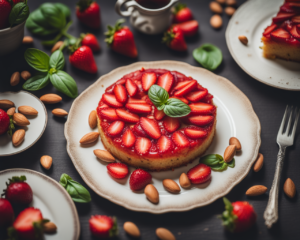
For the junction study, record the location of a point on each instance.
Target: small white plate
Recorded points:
(33, 131)
(235, 117)
(53, 201)
(250, 20)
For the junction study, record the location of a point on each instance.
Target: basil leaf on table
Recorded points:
(66, 11)
(38, 29)
(53, 15)
(57, 60)
(232, 163)
(19, 13)
(158, 95)
(37, 82)
(209, 56)
(176, 108)
(37, 59)
(64, 83)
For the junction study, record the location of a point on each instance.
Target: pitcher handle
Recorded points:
(128, 4)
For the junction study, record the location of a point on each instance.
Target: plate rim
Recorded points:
(42, 132)
(61, 189)
(153, 211)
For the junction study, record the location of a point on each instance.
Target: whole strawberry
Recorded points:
(182, 13)
(6, 213)
(139, 179)
(83, 59)
(103, 226)
(4, 122)
(5, 8)
(88, 12)
(18, 191)
(238, 216)
(174, 39)
(91, 41)
(120, 39)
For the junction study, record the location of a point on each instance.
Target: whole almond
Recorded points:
(27, 110)
(11, 111)
(164, 234)
(15, 79)
(25, 75)
(229, 153)
(231, 2)
(58, 112)
(216, 21)
(256, 190)
(221, 1)
(243, 39)
(171, 186)
(46, 161)
(184, 181)
(50, 98)
(18, 137)
(236, 142)
(104, 155)
(20, 120)
(131, 229)
(5, 104)
(27, 40)
(289, 188)
(93, 119)
(258, 163)
(215, 7)
(229, 11)
(89, 138)
(151, 193)
(57, 46)
(49, 227)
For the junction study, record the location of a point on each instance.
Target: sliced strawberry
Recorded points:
(188, 88)
(295, 33)
(117, 170)
(202, 108)
(142, 145)
(111, 100)
(281, 17)
(201, 120)
(110, 89)
(139, 108)
(120, 93)
(280, 35)
(182, 84)
(131, 87)
(115, 128)
(269, 29)
(138, 130)
(147, 100)
(127, 116)
(159, 114)
(182, 99)
(195, 132)
(164, 144)
(151, 127)
(128, 138)
(197, 95)
(296, 19)
(148, 80)
(103, 226)
(166, 81)
(171, 124)
(139, 179)
(102, 105)
(189, 28)
(180, 140)
(201, 173)
(121, 81)
(134, 100)
(109, 114)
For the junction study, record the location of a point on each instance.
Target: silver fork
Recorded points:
(284, 140)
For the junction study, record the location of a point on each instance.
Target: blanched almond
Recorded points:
(11, 111)
(243, 39)
(46, 161)
(215, 7)
(104, 155)
(171, 186)
(27, 110)
(231, 2)
(151, 193)
(216, 21)
(89, 138)
(50, 98)
(57, 46)
(229, 153)
(15, 79)
(289, 188)
(184, 181)
(131, 229)
(258, 163)
(49, 227)
(164, 234)
(229, 11)
(5, 104)
(58, 112)
(18, 137)
(27, 40)
(25, 75)
(236, 142)
(93, 119)
(256, 190)
(20, 120)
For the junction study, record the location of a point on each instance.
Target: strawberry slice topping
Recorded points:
(201, 120)
(138, 108)
(151, 127)
(120, 93)
(280, 35)
(142, 145)
(111, 100)
(182, 84)
(131, 87)
(188, 88)
(109, 114)
(148, 79)
(139, 179)
(138, 130)
(115, 128)
(171, 124)
(117, 170)
(197, 95)
(182, 99)
(127, 116)
(158, 114)
(166, 81)
(121, 81)
(164, 144)
(296, 19)
(281, 17)
(201, 173)
(295, 33)
(180, 140)
(202, 108)
(102, 105)
(269, 29)
(134, 100)
(128, 138)
(195, 132)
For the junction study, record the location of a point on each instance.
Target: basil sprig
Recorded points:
(19, 13)
(216, 162)
(50, 70)
(209, 56)
(77, 192)
(172, 107)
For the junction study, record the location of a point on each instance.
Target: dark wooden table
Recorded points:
(202, 223)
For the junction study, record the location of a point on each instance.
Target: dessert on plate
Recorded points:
(282, 38)
(138, 134)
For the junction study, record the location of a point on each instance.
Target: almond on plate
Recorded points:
(131, 229)
(243, 39)
(5, 104)
(164, 234)
(25, 75)
(258, 163)
(229, 153)
(171, 186)
(184, 181)
(236, 142)
(27, 110)
(15, 79)
(93, 119)
(46, 161)
(151, 193)
(58, 112)
(104, 155)
(11, 111)
(256, 190)
(18, 137)
(49, 227)
(289, 188)
(89, 138)
(20, 120)
(50, 98)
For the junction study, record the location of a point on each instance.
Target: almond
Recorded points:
(221, 1)
(215, 7)
(216, 21)
(57, 46)
(231, 2)
(229, 11)
(171, 186)
(27, 110)
(243, 39)
(93, 119)
(289, 188)
(236, 142)
(131, 229)
(229, 153)
(256, 190)
(5, 104)
(11, 111)
(49, 227)
(104, 155)
(151, 193)
(184, 181)
(164, 234)
(25, 75)
(20, 120)
(27, 40)
(15, 79)
(18, 137)
(258, 163)
(46, 161)
(89, 138)
(58, 112)
(50, 98)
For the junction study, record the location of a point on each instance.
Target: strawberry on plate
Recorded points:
(195, 132)
(88, 12)
(202, 108)
(6, 213)
(280, 35)
(201, 120)
(151, 127)
(189, 28)
(120, 93)
(182, 13)
(174, 39)
(201, 173)
(180, 140)
(148, 79)
(159, 114)
(103, 226)
(91, 41)
(4, 122)
(115, 128)
(128, 138)
(117, 170)
(83, 59)
(196, 96)
(164, 144)
(109, 114)
(171, 124)
(139, 179)
(139, 107)
(111, 100)
(166, 81)
(186, 89)
(127, 116)
(131, 87)
(142, 145)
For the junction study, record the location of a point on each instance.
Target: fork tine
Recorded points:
(289, 123)
(296, 122)
(283, 121)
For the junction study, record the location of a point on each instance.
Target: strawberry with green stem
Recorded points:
(6, 123)
(91, 41)
(182, 13)
(174, 39)
(88, 12)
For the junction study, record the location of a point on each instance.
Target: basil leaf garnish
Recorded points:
(57, 60)
(219, 167)
(176, 108)
(232, 163)
(37, 59)
(216, 162)
(19, 13)
(209, 56)
(37, 82)
(158, 95)
(64, 83)
(53, 15)
(210, 160)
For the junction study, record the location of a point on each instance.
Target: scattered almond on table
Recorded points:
(5, 104)
(104, 155)
(258, 163)
(231, 2)
(58, 112)
(25, 75)
(216, 21)
(229, 11)
(164, 234)
(229, 153)
(89, 138)
(256, 190)
(50, 98)
(171, 186)
(131, 229)
(93, 119)
(221, 1)
(15, 79)
(151, 193)
(27, 110)
(215, 7)
(243, 39)
(27, 40)
(49, 227)
(20, 120)
(18, 137)
(184, 181)
(46, 161)
(236, 142)
(289, 188)
(57, 46)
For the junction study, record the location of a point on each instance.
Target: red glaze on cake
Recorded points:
(138, 134)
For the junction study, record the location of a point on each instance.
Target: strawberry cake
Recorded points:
(139, 134)
(282, 38)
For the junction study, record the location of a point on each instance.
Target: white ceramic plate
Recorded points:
(33, 131)
(235, 117)
(250, 20)
(53, 201)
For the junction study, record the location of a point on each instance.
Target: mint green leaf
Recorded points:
(232, 163)
(57, 60)
(176, 108)
(209, 56)
(37, 82)
(64, 83)
(158, 95)
(37, 59)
